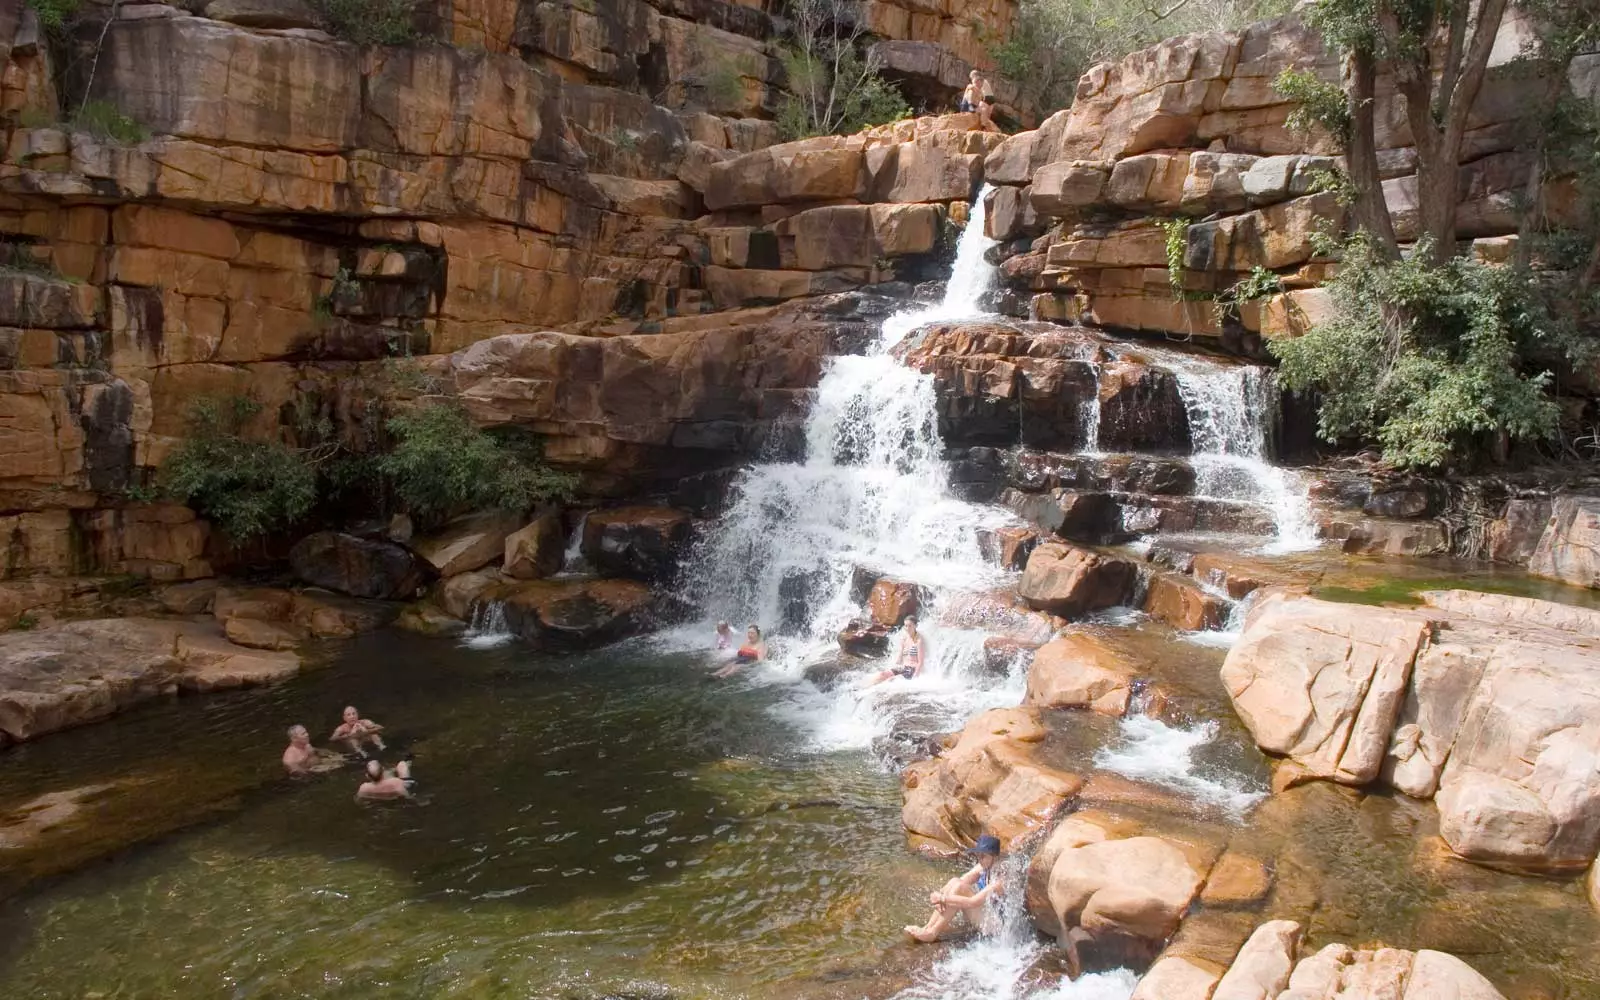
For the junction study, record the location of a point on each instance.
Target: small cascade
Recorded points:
(487, 627)
(1091, 417)
(1000, 962)
(871, 494)
(1231, 418)
(1150, 750)
(572, 561)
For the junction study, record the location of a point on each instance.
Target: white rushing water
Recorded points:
(1150, 750)
(572, 561)
(487, 627)
(1231, 416)
(871, 493)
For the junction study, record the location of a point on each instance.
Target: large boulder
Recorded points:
(892, 601)
(1081, 670)
(80, 672)
(987, 783)
(1569, 549)
(641, 542)
(535, 550)
(467, 543)
(1323, 683)
(1261, 969)
(569, 613)
(1066, 580)
(360, 567)
(1098, 875)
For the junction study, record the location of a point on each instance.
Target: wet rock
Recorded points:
(987, 783)
(1176, 978)
(1183, 604)
(460, 594)
(192, 598)
(576, 612)
(1097, 875)
(641, 542)
(334, 616)
(1236, 880)
(535, 550)
(1001, 654)
(1007, 548)
(1003, 615)
(266, 604)
(1080, 670)
(1261, 969)
(799, 592)
(1372, 536)
(1069, 581)
(1569, 549)
(1236, 575)
(1315, 682)
(1141, 409)
(467, 543)
(424, 619)
(865, 638)
(825, 675)
(1514, 536)
(892, 601)
(360, 567)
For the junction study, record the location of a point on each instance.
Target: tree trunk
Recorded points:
(1370, 210)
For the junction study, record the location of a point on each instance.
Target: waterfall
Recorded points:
(487, 627)
(871, 494)
(572, 561)
(1230, 411)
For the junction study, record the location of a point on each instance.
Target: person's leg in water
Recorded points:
(942, 916)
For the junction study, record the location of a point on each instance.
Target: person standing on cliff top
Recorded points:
(971, 892)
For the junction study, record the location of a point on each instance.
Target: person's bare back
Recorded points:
(394, 785)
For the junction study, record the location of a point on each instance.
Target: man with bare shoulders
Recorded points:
(300, 757)
(396, 784)
(355, 730)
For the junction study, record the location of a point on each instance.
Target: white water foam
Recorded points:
(999, 962)
(572, 561)
(1230, 410)
(487, 627)
(872, 494)
(1150, 750)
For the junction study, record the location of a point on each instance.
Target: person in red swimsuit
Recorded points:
(753, 650)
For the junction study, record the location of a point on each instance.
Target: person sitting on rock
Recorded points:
(908, 662)
(753, 651)
(355, 730)
(724, 635)
(976, 98)
(300, 757)
(963, 895)
(396, 784)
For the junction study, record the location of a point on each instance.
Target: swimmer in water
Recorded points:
(355, 730)
(724, 635)
(300, 757)
(754, 650)
(908, 663)
(965, 895)
(396, 784)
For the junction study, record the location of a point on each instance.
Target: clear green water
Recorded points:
(611, 824)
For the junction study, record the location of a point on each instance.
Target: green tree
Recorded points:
(440, 465)
(246, 486)
(832, 88)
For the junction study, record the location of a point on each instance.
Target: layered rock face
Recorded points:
(1483, 701)
(1104, 196)
(285, 209)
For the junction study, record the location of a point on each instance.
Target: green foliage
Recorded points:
(20, 257)
(105, 121)
(1321, 104)
(1053, 42)
(246, 487)
(405, 375)
(54, 15)
(1177, 238)
(721, 86)
(834, 97)
(1429, 360)
(1259, 284)
(370, 22)
(441, 465)
(25, 622)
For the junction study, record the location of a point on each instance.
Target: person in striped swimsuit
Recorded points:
(908, 663)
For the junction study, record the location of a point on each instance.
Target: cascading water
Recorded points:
(572, 561)
(871, 494)
(487, 628)
(1230, 421)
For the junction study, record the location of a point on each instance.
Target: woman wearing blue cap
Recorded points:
(962, 895)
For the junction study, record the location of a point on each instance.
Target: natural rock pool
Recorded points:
(610, 824)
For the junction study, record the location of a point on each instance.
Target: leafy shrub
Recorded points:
(246, 487)
(832, 88)
(441, 465)
(1429, 360)
(105, 120)
(1321, 104)
(54, 15)
(1054, 41)
(1176, 233)
(370, 22)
